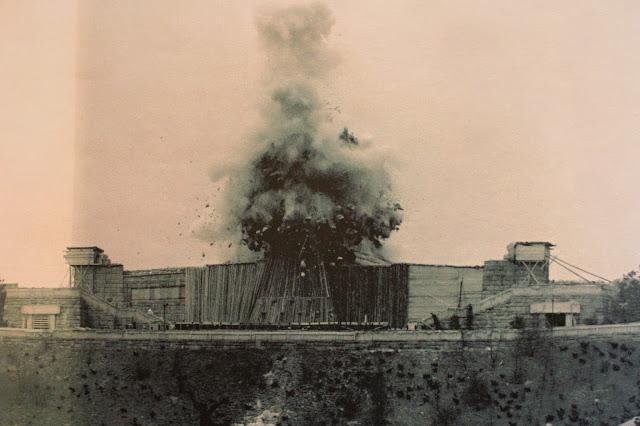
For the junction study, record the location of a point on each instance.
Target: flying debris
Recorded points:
(311, 193)
(305, 197)
(348, 137)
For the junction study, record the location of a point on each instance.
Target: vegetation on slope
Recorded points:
(532, 381)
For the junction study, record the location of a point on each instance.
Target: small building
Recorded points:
(41, 308)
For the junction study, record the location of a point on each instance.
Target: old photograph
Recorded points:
(319, 212)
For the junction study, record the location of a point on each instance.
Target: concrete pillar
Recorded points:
(570, 320)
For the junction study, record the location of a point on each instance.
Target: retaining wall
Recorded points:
(421, 339)
(586, 375)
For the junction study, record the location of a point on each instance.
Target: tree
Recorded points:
(625, 304)
(454, 322)
(469, 317)
(436, 322)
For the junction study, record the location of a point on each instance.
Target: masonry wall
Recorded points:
(589, 296)
(3, 294)
(154, 289)
(68, 300)
(161, 290)
(97, 314)
(399, 294)
(500, 275)
(49, 378)
(104, 281)
(436, 289)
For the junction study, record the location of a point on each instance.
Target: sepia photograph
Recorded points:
(356, 212)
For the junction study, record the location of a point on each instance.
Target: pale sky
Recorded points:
(37, 92)
(506, 121)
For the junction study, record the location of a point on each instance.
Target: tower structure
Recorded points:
(533, 257)
(81, 261)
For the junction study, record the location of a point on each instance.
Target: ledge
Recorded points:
(240, 336)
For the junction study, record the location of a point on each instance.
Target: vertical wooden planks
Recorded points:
(269, 292)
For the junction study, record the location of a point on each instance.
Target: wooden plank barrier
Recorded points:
(276, 292)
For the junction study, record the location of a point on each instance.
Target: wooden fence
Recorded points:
(370, 294)
(276, 293)
(222, 293)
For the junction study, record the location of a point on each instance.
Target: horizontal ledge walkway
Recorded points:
(297, 336)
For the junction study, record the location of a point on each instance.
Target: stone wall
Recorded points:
(98, 314)
(589, 296)
(430, 289)
(142, 290)
(500, 275)
(436, 288)
(161, 290)
(68, 300)
(160, 379)
(3, 295)
(104, 281)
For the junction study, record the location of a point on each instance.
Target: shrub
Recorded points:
(517, 322)
(446, 416)
(624, 306)
(436, 322)
(454, 322)
(469, 318)
(477, 394)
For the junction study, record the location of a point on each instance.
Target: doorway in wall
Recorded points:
(556, 320)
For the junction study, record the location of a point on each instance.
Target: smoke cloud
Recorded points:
(295, 41)
(309, 186)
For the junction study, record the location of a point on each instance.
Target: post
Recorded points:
(164, 316)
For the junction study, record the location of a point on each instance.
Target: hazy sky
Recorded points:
(506, 121)
(37, 107)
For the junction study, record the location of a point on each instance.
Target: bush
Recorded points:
(445, 416)
(625, 305)
(454, 322)
(517, 322)
(436, 322)
(469, 318)
(477, 394)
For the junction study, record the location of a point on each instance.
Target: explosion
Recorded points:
(309, 188)
(310, 192)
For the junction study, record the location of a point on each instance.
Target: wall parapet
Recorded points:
(159, 271)
(41, 293)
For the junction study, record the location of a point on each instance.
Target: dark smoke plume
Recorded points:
(309, 187)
